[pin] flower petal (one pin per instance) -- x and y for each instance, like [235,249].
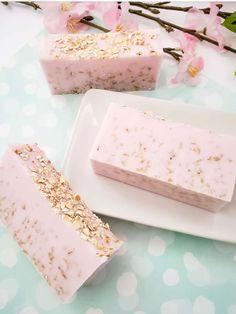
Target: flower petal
[112,15]
[129,21]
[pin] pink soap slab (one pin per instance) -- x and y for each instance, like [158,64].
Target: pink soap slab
[65,241]
[195,166]
[121,61]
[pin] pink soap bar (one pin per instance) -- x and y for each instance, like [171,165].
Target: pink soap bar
[188,164]
[65,241]
[121,61]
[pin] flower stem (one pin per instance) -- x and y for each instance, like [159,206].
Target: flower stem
[168,26]
[29,3]
[153,7]
[172,51]
[103,29]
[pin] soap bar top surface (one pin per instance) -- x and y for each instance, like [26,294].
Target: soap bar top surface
[64,202]
[195,159]
[101,46]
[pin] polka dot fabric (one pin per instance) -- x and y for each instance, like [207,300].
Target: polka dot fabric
[157,271]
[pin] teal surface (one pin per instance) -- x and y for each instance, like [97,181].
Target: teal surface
[158,271]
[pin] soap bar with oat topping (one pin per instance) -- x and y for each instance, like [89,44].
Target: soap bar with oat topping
[65,241]
[121,61]
[191,165]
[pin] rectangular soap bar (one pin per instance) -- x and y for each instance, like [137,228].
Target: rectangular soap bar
[65,241]
[121,61]
[188,164]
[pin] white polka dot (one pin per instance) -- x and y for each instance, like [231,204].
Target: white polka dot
[142,266]
[4,129]
[27,131]
[3,298]
[171,277]
[30,71]
[4,88]
[203,305]
[43,92]
[30,88]
[49,120]
[213,100]
[7,242]
[8,257]
[28,310]
[11,106]
[128,303]
[58,101]
[46,298]
[156,246]
[197,273]
[169,307]
[29,110]
[92,310]
[99,277]
[11,287]
[178,306]
[127,284]
[232,309]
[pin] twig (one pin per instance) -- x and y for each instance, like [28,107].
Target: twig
[172,26]
[172,51]
[103,29]
[29,3]
[153,7]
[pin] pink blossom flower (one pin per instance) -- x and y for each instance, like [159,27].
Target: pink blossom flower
[188,71]
[190,65]
[118,18]
[209,23]
[128,20]
[64,17]
[111,13]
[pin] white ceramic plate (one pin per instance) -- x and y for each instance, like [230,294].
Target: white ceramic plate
[112,198]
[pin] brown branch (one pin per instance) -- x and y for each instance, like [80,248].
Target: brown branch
[103,29]
[172,51]
[172,26]
[32,4]
[153,7]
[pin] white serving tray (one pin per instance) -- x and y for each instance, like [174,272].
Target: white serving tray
[109,197]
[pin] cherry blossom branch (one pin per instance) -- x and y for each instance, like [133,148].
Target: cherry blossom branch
[91,24]
[168,26]
[29,3]
[172,52]
[154,8]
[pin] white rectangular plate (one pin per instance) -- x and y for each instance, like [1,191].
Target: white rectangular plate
[116,199]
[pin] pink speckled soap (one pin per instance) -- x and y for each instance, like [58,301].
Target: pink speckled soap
[65,241]
[121,61]
[192,165]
